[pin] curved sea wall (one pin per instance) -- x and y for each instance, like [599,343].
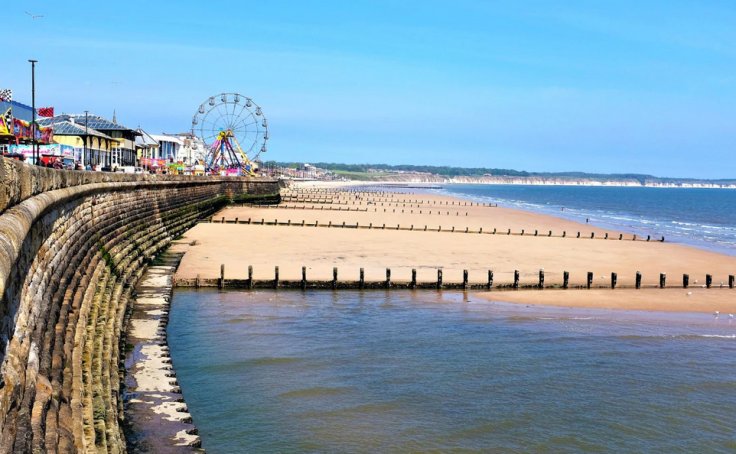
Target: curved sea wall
[72,247]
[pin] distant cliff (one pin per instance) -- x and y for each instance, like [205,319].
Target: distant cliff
[409,177]
[482,175]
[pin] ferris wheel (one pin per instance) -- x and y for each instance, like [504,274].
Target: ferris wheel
[234,130]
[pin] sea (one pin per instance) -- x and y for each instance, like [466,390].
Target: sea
[381,371]
[701,217]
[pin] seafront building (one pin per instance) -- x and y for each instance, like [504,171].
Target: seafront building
[121,150]
[93,142]
[193,149]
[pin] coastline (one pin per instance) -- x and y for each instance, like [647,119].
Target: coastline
[321,249]
[412,178]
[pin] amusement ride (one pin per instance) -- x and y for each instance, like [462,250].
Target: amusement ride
[235,132]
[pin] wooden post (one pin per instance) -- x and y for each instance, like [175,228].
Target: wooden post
[565,279]
[730,281]
[536,232]
[620,236]
[564,233]
[465,279]
[516,279]
[439,279]
[361,283]
[276,277]
[222,276]
[489,284]
[541,279]
[550,233]
[578,234]
[592,235]
[388,277]
[662,280]
[334,278]
[590,279]
[304,278]
[685,281]
[250,276]
[413,278]
[522,232]
[614,279]
[708,280]
[638,280]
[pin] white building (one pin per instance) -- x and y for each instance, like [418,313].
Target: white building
[168,147]
[193,149]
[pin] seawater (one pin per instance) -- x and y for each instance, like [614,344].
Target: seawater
[289,371]
[701,217]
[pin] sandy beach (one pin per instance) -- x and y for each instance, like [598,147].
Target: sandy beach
[237,246]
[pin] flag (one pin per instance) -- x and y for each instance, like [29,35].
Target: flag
[6,94]
[45,111]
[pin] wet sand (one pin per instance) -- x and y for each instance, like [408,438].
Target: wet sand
[237,246]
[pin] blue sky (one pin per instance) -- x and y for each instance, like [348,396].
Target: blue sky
[597,86]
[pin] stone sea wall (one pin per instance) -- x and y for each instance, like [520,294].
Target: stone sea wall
[72,247]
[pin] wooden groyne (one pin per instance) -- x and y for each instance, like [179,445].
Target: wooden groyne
[426,228]
[338,282]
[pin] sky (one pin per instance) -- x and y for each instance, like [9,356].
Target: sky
[594,86]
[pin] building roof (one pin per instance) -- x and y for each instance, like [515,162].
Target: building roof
[165,138]
[67,128]
[95,122]
[145,140]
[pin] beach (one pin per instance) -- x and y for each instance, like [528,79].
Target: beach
[418,245]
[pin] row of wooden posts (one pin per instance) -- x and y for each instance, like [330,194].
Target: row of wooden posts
[357,225]
[439,284]
[390,202]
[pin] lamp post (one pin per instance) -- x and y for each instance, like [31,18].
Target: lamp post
[33,113]
[84,151]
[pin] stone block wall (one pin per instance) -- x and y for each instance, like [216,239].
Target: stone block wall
[71,251]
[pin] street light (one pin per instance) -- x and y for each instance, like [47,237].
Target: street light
[84,151]
[33,108]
